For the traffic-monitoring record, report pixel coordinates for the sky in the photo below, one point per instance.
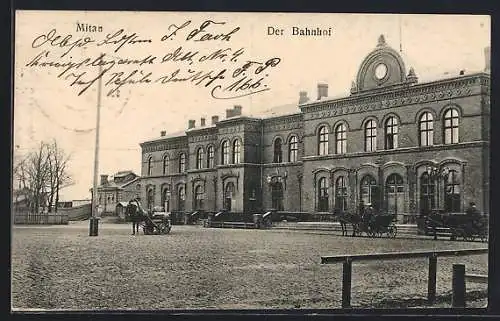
(46, 107)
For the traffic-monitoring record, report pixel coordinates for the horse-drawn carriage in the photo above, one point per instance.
(376, 225)
(155, 221)
(457, 225)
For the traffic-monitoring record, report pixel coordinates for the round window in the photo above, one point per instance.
(381, 71)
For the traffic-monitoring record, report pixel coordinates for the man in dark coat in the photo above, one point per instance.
(473, 215)
(134, 214)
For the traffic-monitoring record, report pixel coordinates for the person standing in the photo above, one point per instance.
(473, 216)
(133, 213)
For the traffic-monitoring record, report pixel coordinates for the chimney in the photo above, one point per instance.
(229, 113)
(487, 59)
(303, 97)
(322, 90)
(104, 179)
(202, 122)
(215, 119)
(191, 123)
(237, 110)
(163, 133)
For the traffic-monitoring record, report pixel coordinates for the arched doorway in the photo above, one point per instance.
(394, 194)
(323, 194)
(182, 198)
(427, 194)
(277, 196)
(341, 193)
(452, 201)
(198, 197)
(228, 196)
(369, 191)
(150, 199)
(165, 199)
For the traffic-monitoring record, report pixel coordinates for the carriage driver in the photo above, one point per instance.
(368, 213)
(473, 215)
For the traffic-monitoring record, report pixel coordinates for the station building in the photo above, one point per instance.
(403, 146)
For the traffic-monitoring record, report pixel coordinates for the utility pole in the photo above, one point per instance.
(94, 220)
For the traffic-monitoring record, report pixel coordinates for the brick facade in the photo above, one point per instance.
(283, 165)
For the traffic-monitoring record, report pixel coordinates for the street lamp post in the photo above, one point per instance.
(94, 220)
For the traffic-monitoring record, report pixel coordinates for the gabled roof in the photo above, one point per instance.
(113, 184)
(171, 135)
(124, 173)
(277, 111)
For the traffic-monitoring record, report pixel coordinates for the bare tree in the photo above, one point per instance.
(58, 175)
(36, 176)
(42, 174)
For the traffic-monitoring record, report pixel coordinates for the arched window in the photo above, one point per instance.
(225, 152)
(165, 165)
(452, 202)
(236, 152)
(199, 158)
(394, 194)
(370, 136)
(165, 198)
(293, 149)
(150, 165)
(427, 194)
(182, 198)
(198, 197)
(323, 195)
(210, 157)
(228, 195)
(340, 139)
(391, 133)
(277, 196)
(341, 193)
(278, 153)
(182, 163)
(450, 126)
(323, 141)
(369, 191)
(426, 129)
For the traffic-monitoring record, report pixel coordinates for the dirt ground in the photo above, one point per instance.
(61, 267)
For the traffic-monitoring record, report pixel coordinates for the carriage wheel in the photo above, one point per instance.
(393, 231)
(371, 233)
(484, 237)
(164, 228)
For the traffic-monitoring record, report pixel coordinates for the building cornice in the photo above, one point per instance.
(239, 165)
(420, 93)
(163, 145)
(285, 164)
(406, 150)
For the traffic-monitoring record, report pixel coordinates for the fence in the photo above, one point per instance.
(40, 218)
(432, 255)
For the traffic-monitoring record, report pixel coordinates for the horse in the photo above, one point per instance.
(347, 218)
(136, 214)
